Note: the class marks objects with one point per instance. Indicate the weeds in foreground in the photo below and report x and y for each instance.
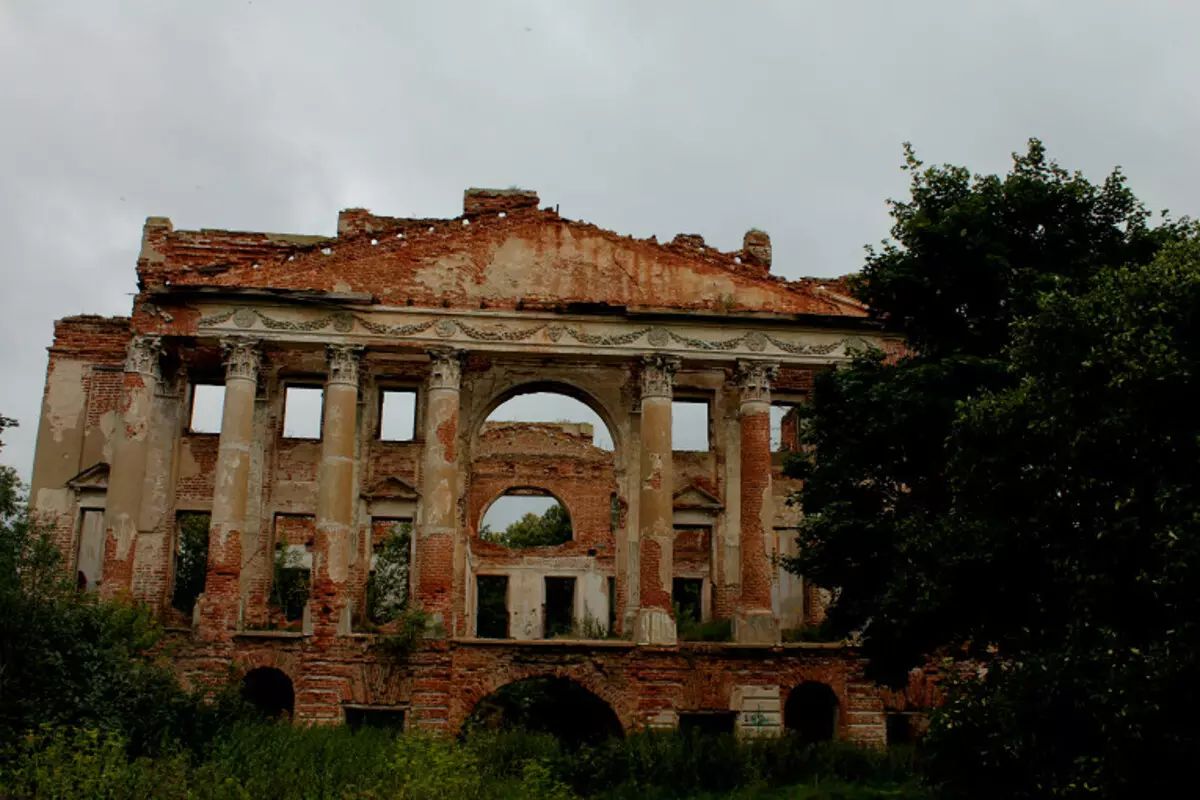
(278, 761)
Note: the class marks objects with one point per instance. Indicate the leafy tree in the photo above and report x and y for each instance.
(965, 498)
(291, 583)
(387, 588)
(67, 658)
(550, 528)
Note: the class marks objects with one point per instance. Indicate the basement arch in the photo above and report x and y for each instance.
(270, 691)
(811, 712)
(553, 704)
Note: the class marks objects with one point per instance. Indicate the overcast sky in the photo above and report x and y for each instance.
(644, 117)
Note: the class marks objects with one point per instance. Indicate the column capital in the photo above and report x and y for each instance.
(447, 364)
(754, 379)
(658, 375)
(142, 355)
(243, 357)
(343, 361)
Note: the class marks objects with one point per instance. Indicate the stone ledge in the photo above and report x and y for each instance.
(611, 644)
(271, 635)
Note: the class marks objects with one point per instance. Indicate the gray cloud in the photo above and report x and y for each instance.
(647, 118)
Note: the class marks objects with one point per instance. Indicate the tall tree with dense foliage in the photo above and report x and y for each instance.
(976, 498)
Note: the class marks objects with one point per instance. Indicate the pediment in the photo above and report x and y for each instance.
(94, 478)
(692, 497)
(533, 260)
(391, 488)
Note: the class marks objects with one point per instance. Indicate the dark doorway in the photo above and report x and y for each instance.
(899, 728)
(716, 723)
(812, 712)
(270, 691)
(491, 606)
(559, 616)
(687, 594)
(358, 717)
(557, 706)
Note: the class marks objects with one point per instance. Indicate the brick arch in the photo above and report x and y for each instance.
(553, 386)
(285, 662)
(504, 490)
(469, 694)
(836, 680)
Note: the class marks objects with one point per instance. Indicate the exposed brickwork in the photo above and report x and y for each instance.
(468, 312)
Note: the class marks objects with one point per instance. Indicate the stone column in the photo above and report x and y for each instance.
(656, 528)
(127, 473)
(219, 608)
(335, 492)
(754, 621)
(438, 519)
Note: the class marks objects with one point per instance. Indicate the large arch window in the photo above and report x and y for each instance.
(522, 518)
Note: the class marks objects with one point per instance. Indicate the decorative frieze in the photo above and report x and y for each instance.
(754, 379)
(142, 355)
(658, 375)
(343, 360)
(243, 358)
(446, 367)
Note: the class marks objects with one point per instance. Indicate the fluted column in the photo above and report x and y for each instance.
(656, 528)
(127, 473)
(437, 524)
(219, 606)
(754, 621)
(335, 492)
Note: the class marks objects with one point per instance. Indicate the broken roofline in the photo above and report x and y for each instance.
(491, 219)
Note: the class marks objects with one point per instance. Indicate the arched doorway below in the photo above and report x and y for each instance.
(270, 691)
(557, 706)
(812, 712)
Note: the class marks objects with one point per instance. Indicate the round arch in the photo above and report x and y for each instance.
(555, 704)
(527, 491)
(598, 684)
(270, 690)
(552, 387)
(812, 712)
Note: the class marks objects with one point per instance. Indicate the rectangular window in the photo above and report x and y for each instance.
(387, 582)
(208, 404)
(292, 577)
(491, 606)
(358, 717)
(785, 428)
(191, 559)
(89, 564)
(689, 425)
(687, 594)
(302, 407)
(559, 612)
(612, 604)
(718, 723)
(398, 416)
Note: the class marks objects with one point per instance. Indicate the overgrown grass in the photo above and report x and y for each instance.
(278, 761)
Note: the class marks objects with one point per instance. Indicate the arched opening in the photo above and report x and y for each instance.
(552, 404)
(270, 691)
(812, 712)
(526, 517)
(557, 706)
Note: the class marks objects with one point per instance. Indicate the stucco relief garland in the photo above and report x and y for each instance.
(343, 322)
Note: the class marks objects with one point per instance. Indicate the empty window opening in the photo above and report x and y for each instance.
(208, 404)
(785, 429)
(491, 606)
(707, 723)
(291, 578)
(398, 416)
(89, 561)
(557, 706)
(526, 518)
(689, 425)
(687, 597)
(270, 691)
(391, 557)
(612, 604)
(191, 559)
(563, 416)
(900, 728)
(558, 615)
(812, 712)
(302, 407)
(389, 719)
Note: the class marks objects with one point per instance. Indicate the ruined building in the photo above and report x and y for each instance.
(451, 319)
